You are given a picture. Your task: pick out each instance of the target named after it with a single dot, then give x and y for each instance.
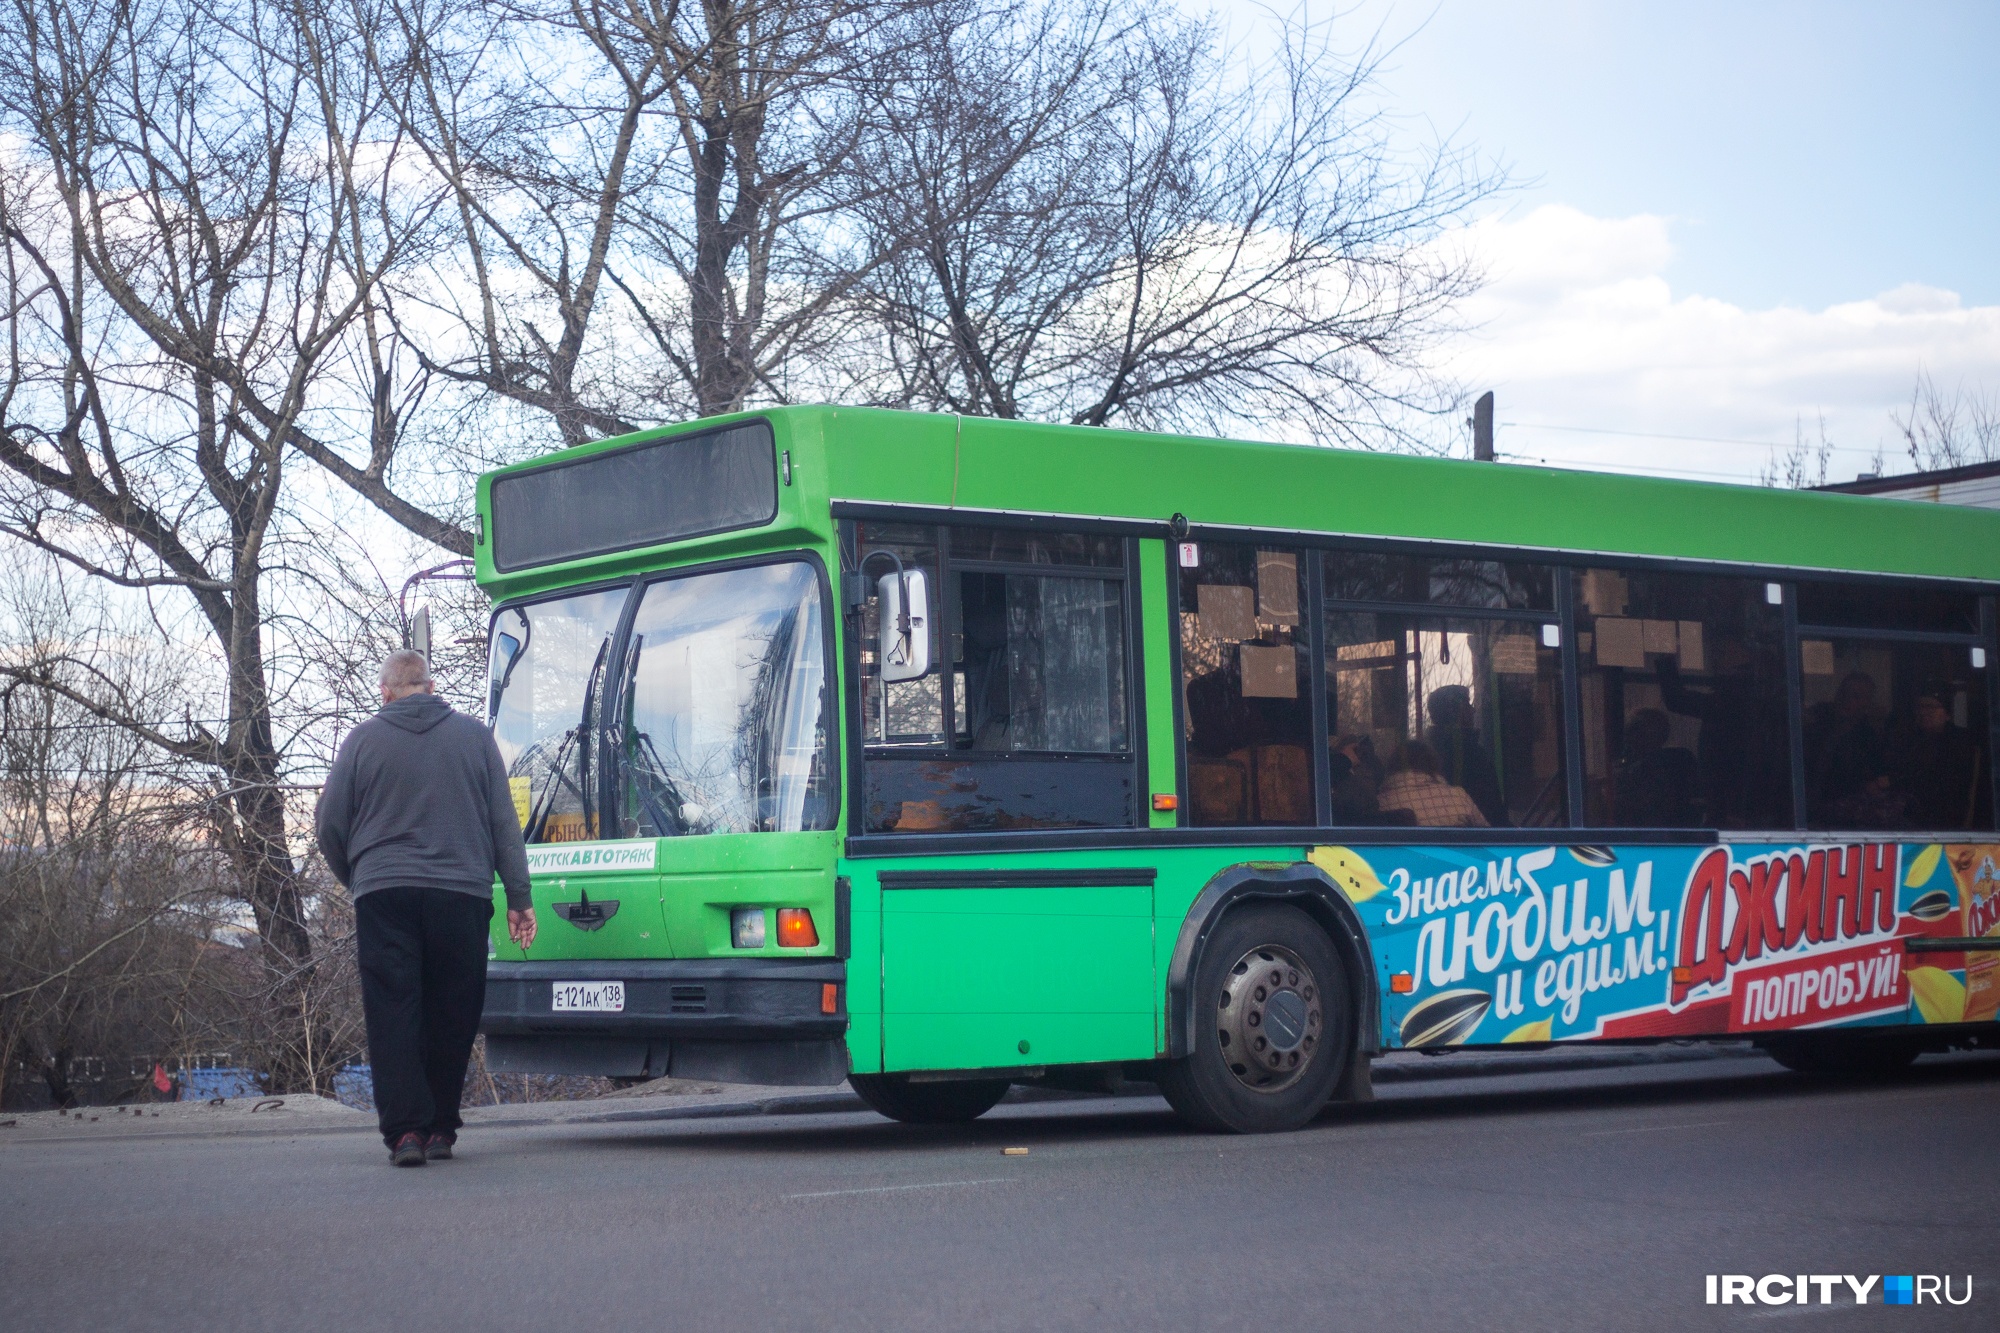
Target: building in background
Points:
(1976, 484)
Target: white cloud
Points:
(1579, 327)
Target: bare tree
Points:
(1092, 213)
(204, 200)
(94, 953)
(121, 943)
(1804, 464)
(1946, 430)
(1068, 211)
(644, 197)
(92, 877)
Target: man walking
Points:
(416, 819)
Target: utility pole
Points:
(1482, 428)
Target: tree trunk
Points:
(708, 291)
(267, 877)
(55, 1075)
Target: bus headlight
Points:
(746, 927)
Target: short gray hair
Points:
(405, 669)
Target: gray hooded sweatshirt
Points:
(418, 797)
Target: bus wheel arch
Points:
(1293, 920)
(1302, 885)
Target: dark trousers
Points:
(423, 983)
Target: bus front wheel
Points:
(1274, 1026)
(950, 1103)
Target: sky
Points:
(1727, 220)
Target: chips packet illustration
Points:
(1976, 868)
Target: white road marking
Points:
(887, 1189)
(1649, 1129)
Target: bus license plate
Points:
(589, 997)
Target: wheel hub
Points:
(1269, 1018)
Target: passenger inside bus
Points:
(1356, 774)
(1936, 764)
(1898, 742)
(1847, 772)
(1418, 785)
(1739, 756)
(1658, 783)
(1454, 736)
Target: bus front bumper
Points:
(727, 1020)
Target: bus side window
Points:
(1244, 677)
(1025, 720)
(1444, 698)
(904, 712)
(1040, 663)
(1685, 711)
(1897, 735)
(1444, 721)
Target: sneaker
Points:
(409, 1151)
(437, 1147)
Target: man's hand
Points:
(521, 926)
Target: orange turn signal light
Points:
(1402, 983)
(795, 928)
(1166, 800)
(1683, 975)
(829, 998)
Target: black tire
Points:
(1849, 1056)
(953, 1103)
(1222, 1090)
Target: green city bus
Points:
(939, 754)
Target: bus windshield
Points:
(723, 707)
(546, 694)
(711, 720)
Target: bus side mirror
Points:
(500, 670)
(904, 630)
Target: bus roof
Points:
(876, 456)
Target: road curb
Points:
(1392, 1068)
(721, 1109)
(1401, 1067)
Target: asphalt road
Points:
(1580, 1200)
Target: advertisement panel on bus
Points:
(1482, 946)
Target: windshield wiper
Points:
(558, 768)
(672, 824)
(545, 803)
(637, 747)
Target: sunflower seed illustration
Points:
(1932, 906)
(1445, 1019)
(1594, 856)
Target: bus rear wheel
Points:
(1843, 1055)
(1274, 1028)
(951, 1103)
